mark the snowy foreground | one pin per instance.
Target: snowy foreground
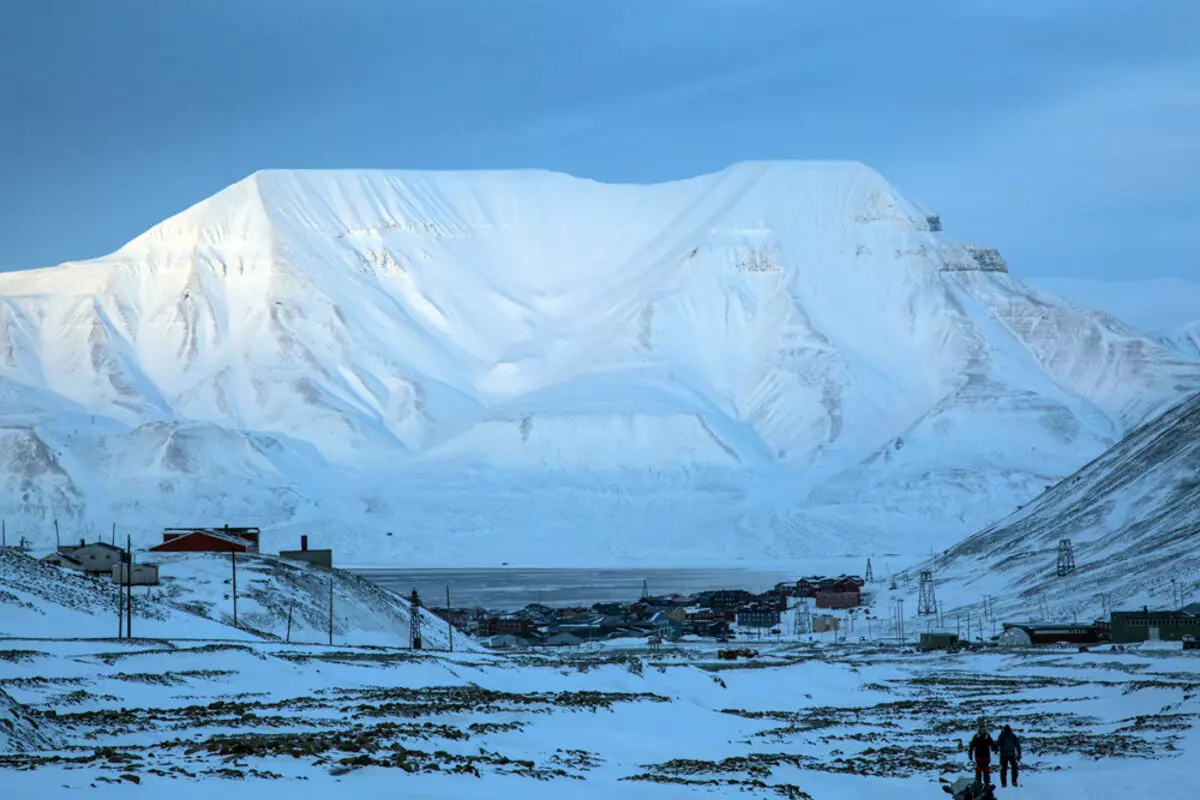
(243, 719)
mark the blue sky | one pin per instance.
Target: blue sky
(1065, 133)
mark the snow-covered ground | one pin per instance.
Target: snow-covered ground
(758, 364)
(799, 721)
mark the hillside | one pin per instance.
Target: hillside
(1168, 309)
(1184, 339)
(1133, 520)
(540, 369)
(194, 601)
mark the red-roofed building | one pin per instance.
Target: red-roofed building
(208, 540)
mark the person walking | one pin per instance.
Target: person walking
(980, 753)
(1010, 754)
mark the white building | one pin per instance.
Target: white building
(143, 574)
(96, 557)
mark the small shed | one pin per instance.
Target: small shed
(938, 640)
(322, 558)
(143, 575)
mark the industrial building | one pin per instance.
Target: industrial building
(1026, 634)
(1147, 625)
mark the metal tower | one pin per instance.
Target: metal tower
(645, 588)
(870, 576)
(926, 602)
(803, 620)
(414, 618)
(1066, 557)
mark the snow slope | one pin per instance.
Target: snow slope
(1151, 305)
(194, 601)
(1134, 525)
(530, 367)
(1184, 339)
(1166, 308)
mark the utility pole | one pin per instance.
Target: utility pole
(129, 587)
(114, 535)
(900, 620)
(449, 624)
(121, 606)
(57, 543)
(3, 533)
(233, 570)
(289, 627)
(645, 589)
(330, 609)
(414, 620)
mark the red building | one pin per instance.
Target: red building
(839, 599)
(208, 540)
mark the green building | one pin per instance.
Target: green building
(937, 640)
(1146, 625)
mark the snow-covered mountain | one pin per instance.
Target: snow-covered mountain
(1133, 522)
(530, 367)
(1184, 339)
(1150, 304)
(1168, 309)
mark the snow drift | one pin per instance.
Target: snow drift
(530, 367)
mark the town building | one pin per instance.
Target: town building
(824, 623)
(667, 628)
(95, 558)
(725, 600)
(761, 617)
(501, 626)
(1147, 625)
(208, 540)
(507, 641)
(322, 558)
(564, 640)
(839, 599)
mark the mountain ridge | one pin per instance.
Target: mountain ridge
(754, 342)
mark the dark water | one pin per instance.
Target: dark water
(510, 588)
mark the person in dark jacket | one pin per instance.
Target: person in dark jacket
(980, 753)
(1010, 754)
